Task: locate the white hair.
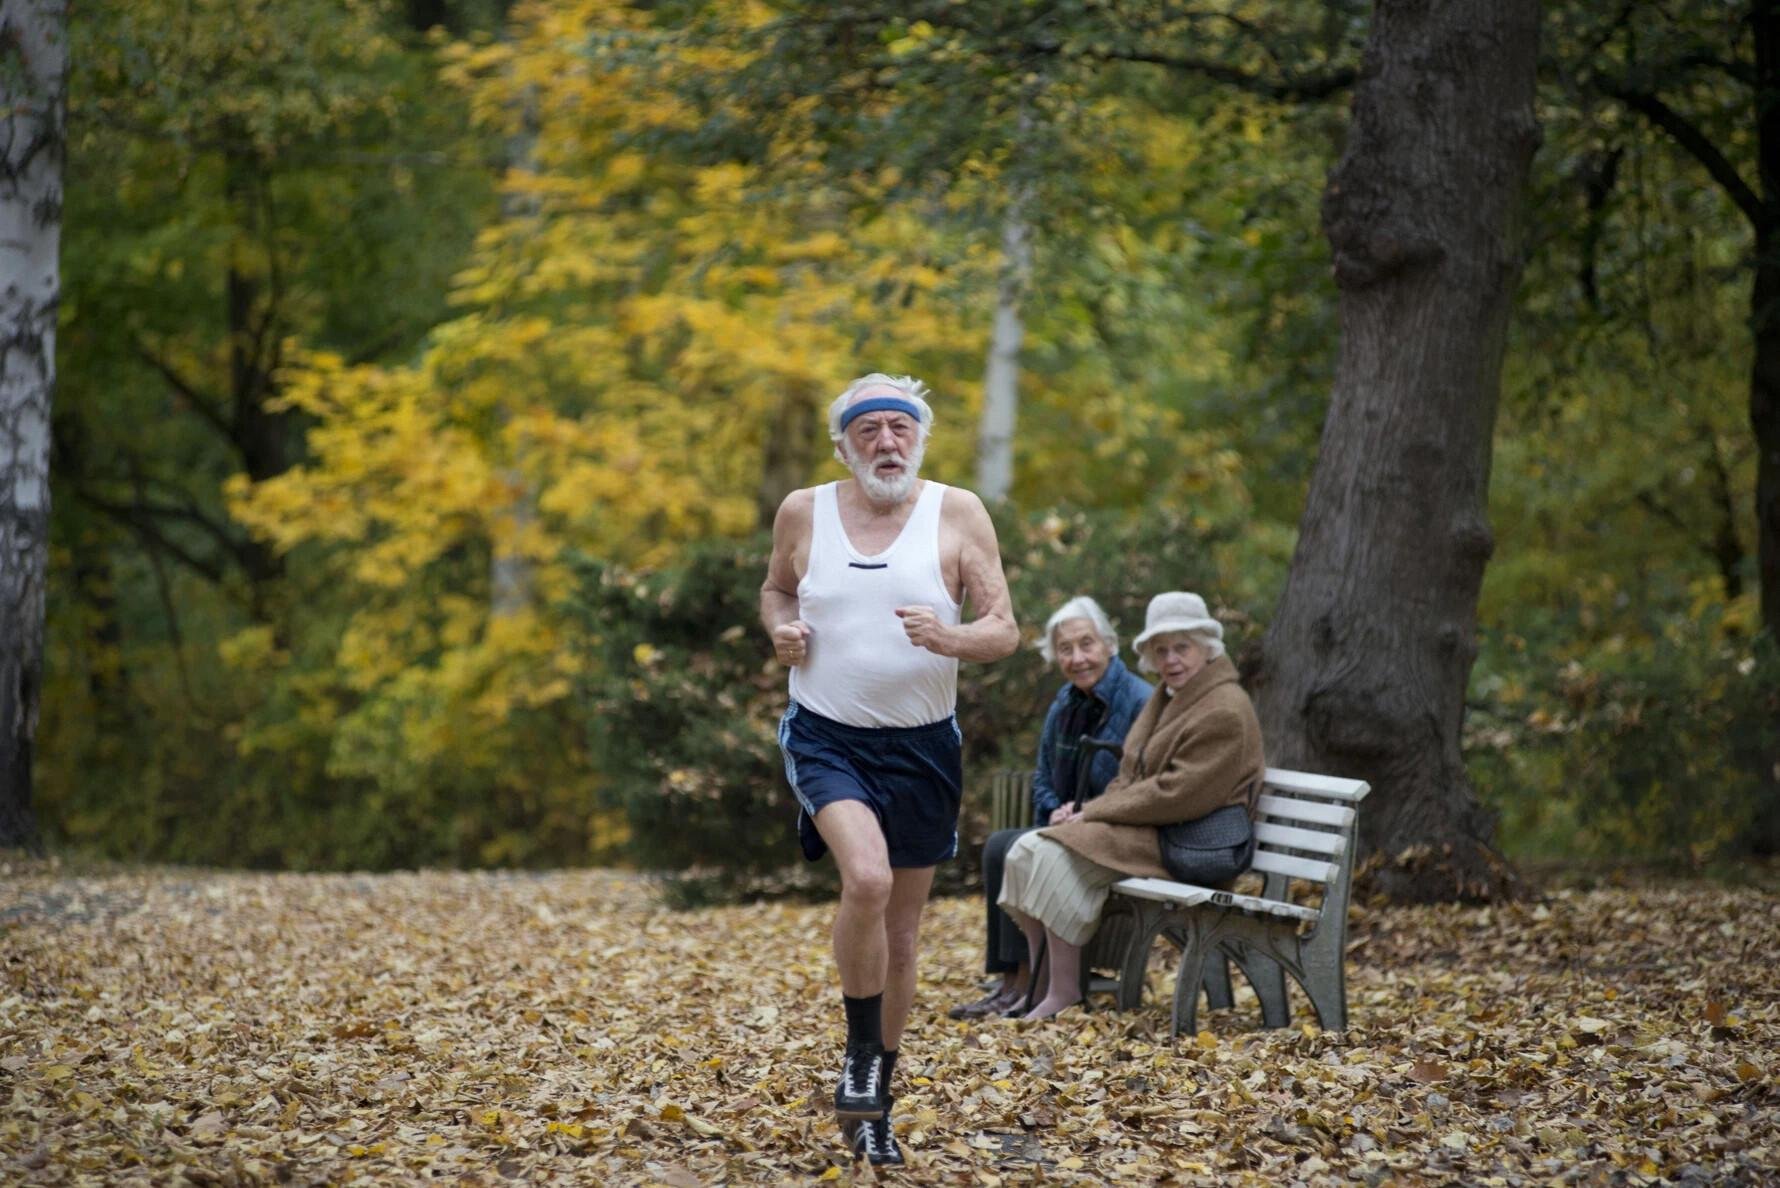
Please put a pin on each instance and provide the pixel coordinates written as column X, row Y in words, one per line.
column 910, row 388
column 1079, row 607
column 1214, row 647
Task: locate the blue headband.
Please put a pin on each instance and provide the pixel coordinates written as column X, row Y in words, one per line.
column 880, row 404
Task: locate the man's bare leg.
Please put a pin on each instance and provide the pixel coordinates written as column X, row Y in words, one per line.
column 861, row 953
column 861, row 950
column 902, row 928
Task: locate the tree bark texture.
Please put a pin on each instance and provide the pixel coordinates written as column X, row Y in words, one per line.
column 1764, row 309
column 1001, row 375
column 1370, row 651
column 794, row 436
column 34, row 67
column 510, row 577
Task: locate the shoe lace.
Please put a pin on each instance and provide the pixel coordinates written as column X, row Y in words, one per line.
column 863, row 1066
column 877, row 1138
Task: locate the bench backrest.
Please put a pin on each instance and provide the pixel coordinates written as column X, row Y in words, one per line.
column 1010, row 798
column 1305, row 829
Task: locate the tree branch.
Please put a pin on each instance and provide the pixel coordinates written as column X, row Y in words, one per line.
column 132, row 517
column 1290, row 88
column 1689, row 136
column 208, row 409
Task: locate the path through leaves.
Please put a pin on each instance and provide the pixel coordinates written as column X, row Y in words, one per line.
column 172, row 1027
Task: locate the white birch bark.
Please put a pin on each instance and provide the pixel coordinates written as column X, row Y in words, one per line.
column 1001, row 374
column 510, row 576
column 33, row 111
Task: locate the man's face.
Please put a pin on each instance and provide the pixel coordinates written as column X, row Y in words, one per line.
column 883, row 449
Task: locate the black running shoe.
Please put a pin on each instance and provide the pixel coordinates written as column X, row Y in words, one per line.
column 860, row 1092
column 875, row 1141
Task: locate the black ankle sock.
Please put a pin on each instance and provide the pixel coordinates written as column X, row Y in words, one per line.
column 889, row 1067
column 865, row 1020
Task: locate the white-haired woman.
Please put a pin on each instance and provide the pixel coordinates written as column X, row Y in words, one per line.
column 1196, row 747
column 1099, row 700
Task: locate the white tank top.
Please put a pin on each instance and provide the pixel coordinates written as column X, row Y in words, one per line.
column 861, row 668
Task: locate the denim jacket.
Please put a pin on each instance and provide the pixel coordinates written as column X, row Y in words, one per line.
column 1123, row 693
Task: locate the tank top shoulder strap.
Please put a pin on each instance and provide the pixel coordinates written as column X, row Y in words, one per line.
column 825, row 527
column 923, row 533
column 927, row 508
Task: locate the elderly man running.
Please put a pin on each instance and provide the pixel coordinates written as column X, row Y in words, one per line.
column 863, row 599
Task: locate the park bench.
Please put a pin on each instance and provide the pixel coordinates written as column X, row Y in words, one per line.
column 1305, row 831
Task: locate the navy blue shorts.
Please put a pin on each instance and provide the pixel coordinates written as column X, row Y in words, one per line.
column 911, row 778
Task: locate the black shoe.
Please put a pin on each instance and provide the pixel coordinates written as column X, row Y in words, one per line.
column 860, row 1092
column 874, row 1141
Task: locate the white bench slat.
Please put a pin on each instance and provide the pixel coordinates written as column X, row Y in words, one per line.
column 1315, row 840
column 1165, row 891
column 1297, row 868
column 1289, row 809
column 1352, row 791
column 1187, row 895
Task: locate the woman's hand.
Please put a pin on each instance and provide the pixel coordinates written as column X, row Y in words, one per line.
column 1064, row 813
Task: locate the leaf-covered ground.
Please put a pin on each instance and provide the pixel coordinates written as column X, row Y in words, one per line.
column 169, row 1027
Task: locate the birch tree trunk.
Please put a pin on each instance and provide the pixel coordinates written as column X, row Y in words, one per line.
column 34, row 70
column 1368, row 657
column 510, row 570
column 1001, row 375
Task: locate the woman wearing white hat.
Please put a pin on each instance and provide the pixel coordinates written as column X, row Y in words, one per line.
column 1195, row 748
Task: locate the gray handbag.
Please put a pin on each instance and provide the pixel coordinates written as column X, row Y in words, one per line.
column 1211, row 850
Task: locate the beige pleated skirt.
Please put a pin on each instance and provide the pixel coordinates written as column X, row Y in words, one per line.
column 1051, row 883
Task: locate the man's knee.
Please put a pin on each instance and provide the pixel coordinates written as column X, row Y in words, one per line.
column 867, row 885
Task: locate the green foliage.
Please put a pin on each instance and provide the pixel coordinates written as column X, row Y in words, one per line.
column 1661, row 749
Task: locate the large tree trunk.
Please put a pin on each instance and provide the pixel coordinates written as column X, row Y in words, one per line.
column 1370, row 651
column 34, row 65
column 1001, row 375
column 793, row 435
column 1764, row 310
column 1764, row 380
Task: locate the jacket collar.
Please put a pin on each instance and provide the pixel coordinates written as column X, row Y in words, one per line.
column 1111, row 679
column 1216, row 672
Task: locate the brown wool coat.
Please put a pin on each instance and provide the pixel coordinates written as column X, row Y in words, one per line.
column 1184, row 756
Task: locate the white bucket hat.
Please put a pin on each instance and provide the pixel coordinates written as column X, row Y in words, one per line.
column 1177, row 611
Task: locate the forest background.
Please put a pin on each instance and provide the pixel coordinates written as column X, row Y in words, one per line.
column 429, row 372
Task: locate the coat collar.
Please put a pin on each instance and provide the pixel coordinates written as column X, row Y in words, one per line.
column 1216, row 672
column 1109, row 680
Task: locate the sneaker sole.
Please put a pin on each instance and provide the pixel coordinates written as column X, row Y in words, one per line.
column 860, row 1113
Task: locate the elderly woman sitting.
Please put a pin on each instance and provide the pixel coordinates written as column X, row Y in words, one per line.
column 1196, row 747
column 1099, row 700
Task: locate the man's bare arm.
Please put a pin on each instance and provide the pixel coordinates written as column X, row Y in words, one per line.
column 993, row 634
column 778, row 593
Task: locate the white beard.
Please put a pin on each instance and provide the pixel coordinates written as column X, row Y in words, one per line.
column 887, row 490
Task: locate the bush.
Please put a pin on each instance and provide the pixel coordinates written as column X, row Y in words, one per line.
column 1658, row 750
